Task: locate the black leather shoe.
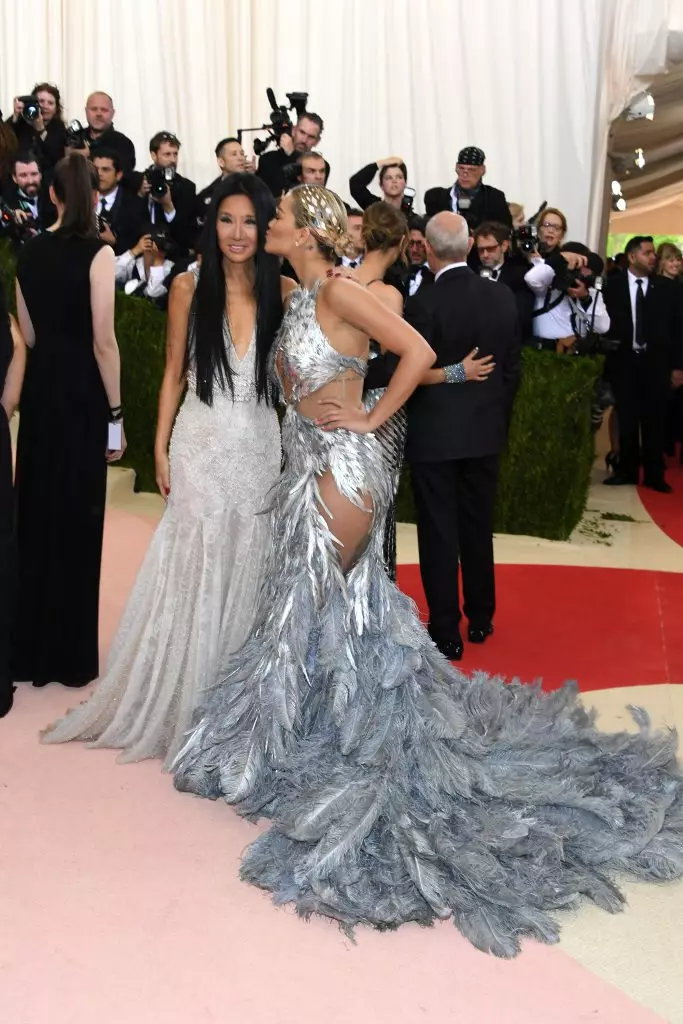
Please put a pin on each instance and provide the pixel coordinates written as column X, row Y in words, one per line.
column 661, row 486
column 612, row 461
column 451, row 649
column 479, row 636
column 619, row 481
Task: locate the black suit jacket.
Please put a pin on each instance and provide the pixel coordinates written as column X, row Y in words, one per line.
column 116, row 142
column 462, row 421
column 487, row 204
column 662, row 325
column 127, row 220
column 47, row 213
column 512, row 274
column 48, row 151
column 271, row 170
column 183, row 228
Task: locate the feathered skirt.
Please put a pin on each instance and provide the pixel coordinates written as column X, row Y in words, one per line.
column 400, row 789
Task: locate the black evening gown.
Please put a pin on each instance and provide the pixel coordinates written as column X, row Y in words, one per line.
column 61, row 469
column 6, row 516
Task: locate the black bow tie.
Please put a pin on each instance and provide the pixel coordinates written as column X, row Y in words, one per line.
column 353, row 264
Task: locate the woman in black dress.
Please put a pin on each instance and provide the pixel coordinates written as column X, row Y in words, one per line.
column 12, row 362
column 65, row 304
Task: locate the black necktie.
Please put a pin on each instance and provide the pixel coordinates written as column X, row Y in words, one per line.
column 639, row 335
column 494, row 275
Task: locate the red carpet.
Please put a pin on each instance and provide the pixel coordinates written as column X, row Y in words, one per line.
column 601, row 627
column 667, row 509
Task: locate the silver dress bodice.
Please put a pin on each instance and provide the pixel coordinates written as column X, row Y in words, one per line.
column 302, row 359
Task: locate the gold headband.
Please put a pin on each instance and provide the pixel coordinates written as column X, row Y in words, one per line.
column 322, row 212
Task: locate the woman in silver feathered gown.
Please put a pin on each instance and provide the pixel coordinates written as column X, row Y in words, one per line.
column 400, row 789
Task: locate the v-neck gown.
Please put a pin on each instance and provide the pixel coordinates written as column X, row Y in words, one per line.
column 195, row 595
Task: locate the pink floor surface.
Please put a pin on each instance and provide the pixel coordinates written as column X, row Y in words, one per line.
column 120, row 904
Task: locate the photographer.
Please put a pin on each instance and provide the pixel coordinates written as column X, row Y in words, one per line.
column 468, row 195
column 310, row 169
column 101, row 135
column 393, row 178
column 170, row 200
column 144, row 269
column 304, row 137
column 120, row 218
column 231, row 159
column 26, row 200
column 499, row 264
column 38, row 124
column 568, row 305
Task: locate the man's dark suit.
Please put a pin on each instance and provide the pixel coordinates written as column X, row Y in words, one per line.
column 455, row 435
column 642, row 381
column 126, row 219
column 47, row 212
column 271, row 170
column 487, row 204
column 512, row 274
column 111, row 141
column 183, row 228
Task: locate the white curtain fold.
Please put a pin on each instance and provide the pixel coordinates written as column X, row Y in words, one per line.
column 535, row 83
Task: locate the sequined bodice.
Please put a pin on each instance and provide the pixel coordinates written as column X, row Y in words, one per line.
column 302, row 359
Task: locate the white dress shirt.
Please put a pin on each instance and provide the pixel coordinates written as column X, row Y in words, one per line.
column 557, row 322
column 352, row 261
column 32, row 203
column 109, row 200
column 126, row 265
column 633, row 291
column 451, row 266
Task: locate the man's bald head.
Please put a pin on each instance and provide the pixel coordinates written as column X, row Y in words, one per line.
column 448, row 239
column 99, row 111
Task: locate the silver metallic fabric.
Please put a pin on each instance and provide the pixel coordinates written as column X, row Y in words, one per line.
column 400, row 789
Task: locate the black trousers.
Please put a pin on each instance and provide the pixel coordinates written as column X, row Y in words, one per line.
column 642, row 399
column 455, row 503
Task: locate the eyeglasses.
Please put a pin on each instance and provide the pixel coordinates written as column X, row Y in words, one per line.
column 169, row 137
column 486, row 249
column 549, row 226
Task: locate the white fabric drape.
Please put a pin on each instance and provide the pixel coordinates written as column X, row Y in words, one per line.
column 534, row 82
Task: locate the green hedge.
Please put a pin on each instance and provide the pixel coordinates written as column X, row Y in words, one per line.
column 545, row 472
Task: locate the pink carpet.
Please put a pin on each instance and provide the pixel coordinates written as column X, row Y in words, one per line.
column 121, row 902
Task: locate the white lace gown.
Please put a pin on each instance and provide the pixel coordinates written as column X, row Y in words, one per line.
column 194, row 597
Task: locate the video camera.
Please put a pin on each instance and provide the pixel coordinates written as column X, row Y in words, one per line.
column 280, row 121
column 160, row 180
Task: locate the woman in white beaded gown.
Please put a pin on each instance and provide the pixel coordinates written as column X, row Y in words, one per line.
column 194, row 598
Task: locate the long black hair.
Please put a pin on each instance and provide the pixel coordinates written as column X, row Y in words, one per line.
column 210, row 354
column 75, row 179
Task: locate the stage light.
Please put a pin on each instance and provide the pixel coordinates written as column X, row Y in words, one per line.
column 642, row 107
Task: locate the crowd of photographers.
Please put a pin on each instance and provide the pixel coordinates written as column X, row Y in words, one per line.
column 566, row 303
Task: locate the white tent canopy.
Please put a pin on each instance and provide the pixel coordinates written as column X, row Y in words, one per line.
column 535, row 83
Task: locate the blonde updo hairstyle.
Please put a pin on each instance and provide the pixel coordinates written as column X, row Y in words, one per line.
column 385, row 228
column 323, row 213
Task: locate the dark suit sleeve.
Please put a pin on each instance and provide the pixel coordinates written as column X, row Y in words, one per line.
column 183, row 226
column 498, row 209
column 419, row 313
column 128, row 156
column 358, row 186
column 512, row 366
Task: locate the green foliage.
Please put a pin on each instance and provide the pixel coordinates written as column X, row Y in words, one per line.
column 545, row 471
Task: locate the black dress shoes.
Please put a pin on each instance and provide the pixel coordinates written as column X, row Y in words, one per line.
column 619, row 481
column 479, row 636
column 452, row 649
column 661, row 486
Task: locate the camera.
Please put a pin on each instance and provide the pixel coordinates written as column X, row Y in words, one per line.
column 408, row 200
column 76, row 135
column 22, row 230
column 160, row 180
column 161, row 240
column 31, row 111
column 280, row 121
column 525, row 239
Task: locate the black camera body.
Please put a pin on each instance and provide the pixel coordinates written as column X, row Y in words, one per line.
column 160, row 180
column 76, row 135
column 161, row 240
column 525, row 239
column 31, row 111
column 22, row 231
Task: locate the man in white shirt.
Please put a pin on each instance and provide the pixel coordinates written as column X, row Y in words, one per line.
column 143, row 270
column 567, row 308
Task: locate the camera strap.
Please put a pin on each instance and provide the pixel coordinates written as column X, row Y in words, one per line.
column 548, row 304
